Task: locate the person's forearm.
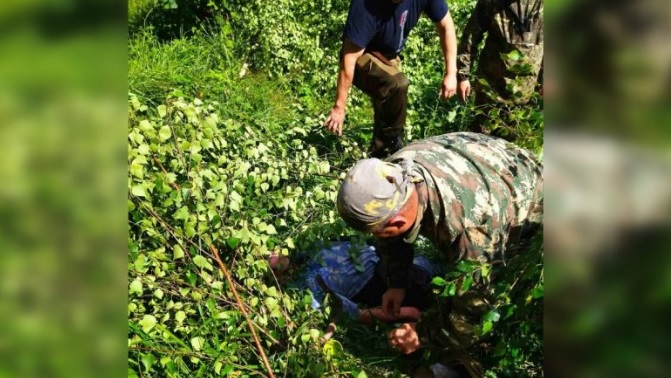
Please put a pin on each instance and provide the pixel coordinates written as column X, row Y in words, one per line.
column 345, row 78
column 448, row 43
column 368, row 316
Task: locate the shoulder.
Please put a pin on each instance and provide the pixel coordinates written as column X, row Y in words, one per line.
column 365, row 8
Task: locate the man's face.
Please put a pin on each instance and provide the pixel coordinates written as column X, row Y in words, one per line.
column 402, row 221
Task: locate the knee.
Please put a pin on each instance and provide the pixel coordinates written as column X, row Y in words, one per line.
column 401, row 83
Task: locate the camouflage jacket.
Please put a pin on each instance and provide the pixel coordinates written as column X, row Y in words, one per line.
column 474, row 188
column 511, row 25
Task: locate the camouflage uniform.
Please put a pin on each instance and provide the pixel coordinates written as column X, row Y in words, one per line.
column 476, row 193
column 511, row 25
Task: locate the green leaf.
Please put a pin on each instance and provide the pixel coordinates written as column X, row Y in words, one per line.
column 197, row 343
column 202, row 262
column 177, row 252
column 271, row 303
column 492, row 316
column 362, row 374
column 165, row 133
column 147, row 323
column 466, row 266
column 217, row 367
column 145, row 125
column 235, row 196
column 270, row 230
column 450, row 289
column 232, row 242
column 182, row 213
column 514, row 55
column 180, row 316
column 485, row 270
column 227, row 370
column 466, row 284
column 272, row 292
column 537, row 292
column 486, row 327
column 148, row 360
column 138, row 191
column 439, row 281
column 136, row 287
column 162, row 111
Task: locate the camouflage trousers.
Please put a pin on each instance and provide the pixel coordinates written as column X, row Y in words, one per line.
column 498, row 103
column 387, row 87
column 449, row 328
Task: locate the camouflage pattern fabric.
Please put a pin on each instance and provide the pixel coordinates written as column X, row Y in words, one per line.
column 511, row 25
column 475, row 190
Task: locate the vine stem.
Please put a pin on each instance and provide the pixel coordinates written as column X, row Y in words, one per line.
column 242, row 308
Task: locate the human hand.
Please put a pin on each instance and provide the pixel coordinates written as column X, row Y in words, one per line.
column 335, row 120
column 464, row 90
column 448, row 87
column 391, row 301
column 404, row 338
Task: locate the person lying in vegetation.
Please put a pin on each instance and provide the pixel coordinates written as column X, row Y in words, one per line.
column 353, row 279
column 472, row 196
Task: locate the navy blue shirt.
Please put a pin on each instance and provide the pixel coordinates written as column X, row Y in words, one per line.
column 380, row 25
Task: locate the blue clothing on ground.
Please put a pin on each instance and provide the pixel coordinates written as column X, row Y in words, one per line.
column 346, row 270
column 380, row 25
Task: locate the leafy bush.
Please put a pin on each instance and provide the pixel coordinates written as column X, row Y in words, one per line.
column 196, row 181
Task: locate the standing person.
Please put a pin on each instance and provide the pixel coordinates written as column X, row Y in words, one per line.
column 374, row 36
column 511, row 25
column 469, row 194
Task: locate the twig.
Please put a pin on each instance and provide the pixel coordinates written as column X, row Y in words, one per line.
column 166, row 172
column 231, row 284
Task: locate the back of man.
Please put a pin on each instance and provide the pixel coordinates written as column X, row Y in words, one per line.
column 477, row 188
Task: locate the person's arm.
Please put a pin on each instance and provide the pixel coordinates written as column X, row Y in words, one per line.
column 467, row 50
column 396, row 257
column 407, row 314
column 350, row 54
column 448, row 43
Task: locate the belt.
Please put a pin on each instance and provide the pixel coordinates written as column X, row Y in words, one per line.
column 380, row 56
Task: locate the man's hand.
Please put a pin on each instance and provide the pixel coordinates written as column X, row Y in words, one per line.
column 449, row 86
column 335, row 120
column 405, row 338
column 464, row 90
column 391, row 301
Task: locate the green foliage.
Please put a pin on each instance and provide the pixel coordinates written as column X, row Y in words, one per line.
column 197, row 180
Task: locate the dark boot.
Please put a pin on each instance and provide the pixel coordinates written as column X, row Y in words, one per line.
column 383, row 148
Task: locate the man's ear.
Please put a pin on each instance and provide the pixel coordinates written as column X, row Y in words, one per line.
column 397, row 221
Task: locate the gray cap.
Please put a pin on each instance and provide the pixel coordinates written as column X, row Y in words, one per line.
column 372, row 192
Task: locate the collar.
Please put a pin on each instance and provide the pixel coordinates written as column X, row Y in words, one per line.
column 412, row 235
